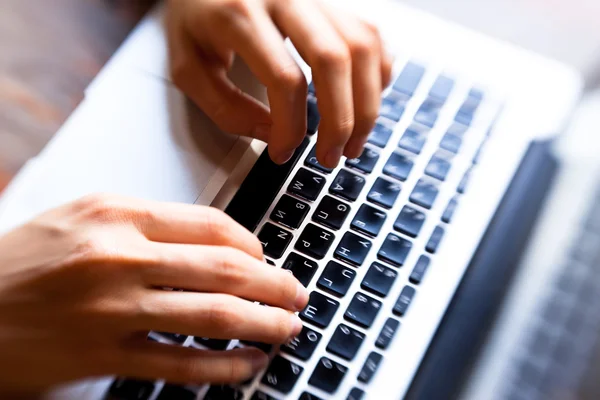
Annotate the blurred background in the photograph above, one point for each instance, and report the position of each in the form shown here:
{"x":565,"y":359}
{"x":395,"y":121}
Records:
{"x":51,"y":49}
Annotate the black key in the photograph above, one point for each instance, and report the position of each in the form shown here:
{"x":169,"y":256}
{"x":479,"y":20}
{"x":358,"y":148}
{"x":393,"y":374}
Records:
{"x":313,"y":117}
{"x":327,"y":375}
{"x":289,"y":211}
{"x":353,"y":249}
{"x":384,"y":193}
{"x":435,"y":239}
{"x":264,"y":347}
{"x":368,"y":220}
{"x":347,"y":185}
{"x":428,"y":112}
{"x":270,"y":262}
{"x":314,"y":241}
{"x":130,"y":389}
{"x":379,"y":279}
{"x":463,"y":182}
{"x":175,"y":337}
{"x":418,"y":272}
{"x":345,"y":342}
{"x":336,"y":279}
{"x":311,"y":89}
{"x":355,"y":394}
{"x":282,"y":374}
{"x":394,"y":250}
{"x":306,"y":184}
{"x":223,"y":392}
{"x":301,"y":267}
{"x":451,"y":142}
{"x":387,"y":333}
{"x":258,"y":395}
{"x":404,"y":300}
{"x":370,"y":367}
{"x":450,"y":209}
{"x":320,"y":310}
{"x":409,"y":78}
{"x":398,"y":166}
{"x":366,"y":162}
{"x":413,"y":139}
{"x":213,"y":344}
{"x":331,"y":212}
{"x":176,"y":392}
{"x":274,"y":240}
{"x":308,"y":396}
{"x":380,"y":135}
{"x":311,"y":161}
{"x":424,"y":194}
{"x":410,"y":221}
{"x":303,"y":345}
{"x":362,"y":310}
{"x":441,"y":87}
{"x":438,"y":167}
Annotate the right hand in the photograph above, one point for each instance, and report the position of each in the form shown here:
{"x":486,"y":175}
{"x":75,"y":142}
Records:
{"x":80,"y":287}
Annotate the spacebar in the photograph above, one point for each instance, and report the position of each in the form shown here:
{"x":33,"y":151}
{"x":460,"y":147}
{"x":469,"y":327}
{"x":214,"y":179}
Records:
{"x":260,"y":187}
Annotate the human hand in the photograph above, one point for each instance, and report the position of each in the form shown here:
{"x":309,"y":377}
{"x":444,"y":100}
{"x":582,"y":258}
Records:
{"x":80,"y":287}
{"x":349,"y":67}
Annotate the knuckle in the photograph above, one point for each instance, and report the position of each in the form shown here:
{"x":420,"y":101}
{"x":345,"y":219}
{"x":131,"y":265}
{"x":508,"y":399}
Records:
{"x":290,"y":78}
{"x":221,"y":317}
{"x":98,"y":207}
{"x":336,"y":59}
{"x":188,"y":369}
{"x":236,"y":369}
{"x":216,"y":222}
{"x":229,"y":266}
{"x":223,"y":114}
{"x":230,"y":11}
{"x":282,"y":327}
{"x":362,"y":46}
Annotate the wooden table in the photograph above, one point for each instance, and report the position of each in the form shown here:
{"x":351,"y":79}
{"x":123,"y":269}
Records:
{"x":50,"y":50}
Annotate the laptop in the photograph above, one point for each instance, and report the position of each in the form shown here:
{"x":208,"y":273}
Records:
{"x":456,"y":258}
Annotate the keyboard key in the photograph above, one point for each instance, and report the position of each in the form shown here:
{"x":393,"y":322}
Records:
{"x":313,"y":117}
{"x":331,"y":212}
{"x":314,"y":241}
{"x":282,"y":374}
{"x":303,"y":345}
{"x":428,"y":112}
{"x":379,"y":279}
{"x":410,"y":221}
{"x":409,"y":79}
{"x":413,"y":139}
{"x":171,"y":392}
{"x":368,"y":220}
{"x":301,"y":267}
{"x":435,"y":239}
{"x":345,"y":342}
{"x":355,"y":394}
{"x":366,"y":162}
{"x":307,"y":184}
{"x":320,"y":310}
{"x":404,"y":300}
{"x":362,"y":310}
{"x":336,"y":279}
{"x":418,"y":272}
{"x":457,"y":129}
{"x":424,"y":194}
{"x":308,"y":396}
{"x":289,"y":211}
{"x":469,"y":107}
{"x":258,"y":395}
{"x":130,"y":389}
{"x":396,"y":99}
{"x":462,"y":186}
{"x":441,"y":87}
{"x":223,"y":392}
{"x":327,"y":375}
{"x":380,"y":135}
{"x":311,"y":161}
{"x":438,"y":168}
{"x":370,"y":367}
{"x":451,"y":142}
{"x":384,"y":193}
{"x":450,"y":209}
{"x":274,"y":240}
{"x":264,"y":347}
{"x":394,"y":250}
{"x":391,"y":110}
{"x":175,"y":337}
{"x":270,"y":262}
{"x":347,"y":185}
{"x":387,"y":333}
{"x":213,"y":344}
{"x":353,"y":249}
{"x":398,"y":166}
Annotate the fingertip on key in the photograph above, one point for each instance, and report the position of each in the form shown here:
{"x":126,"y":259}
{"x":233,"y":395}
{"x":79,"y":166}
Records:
{"x":301,"y":297}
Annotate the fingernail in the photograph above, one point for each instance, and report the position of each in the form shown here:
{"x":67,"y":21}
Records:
{"x":262,"y":132}
{"x":301,"y":297}
{"x":296,"y":325}
{"x":258,"y":361}
{"x":333,"y":156}
{"x":285,"y":157}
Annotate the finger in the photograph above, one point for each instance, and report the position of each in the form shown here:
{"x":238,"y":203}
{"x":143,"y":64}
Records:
{"x":387,"y":63}
{"x":202,"y":75}
{"x":217,"y":269}
{"x":329,"y":57}
{"x":218,"y":316}
{"x":175,"y":364}
{"x":364,"y":43}
{"x":252,"y":34}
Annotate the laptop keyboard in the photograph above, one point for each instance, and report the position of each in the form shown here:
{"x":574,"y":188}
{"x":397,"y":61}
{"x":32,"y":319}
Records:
{"x":344,"y":234}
